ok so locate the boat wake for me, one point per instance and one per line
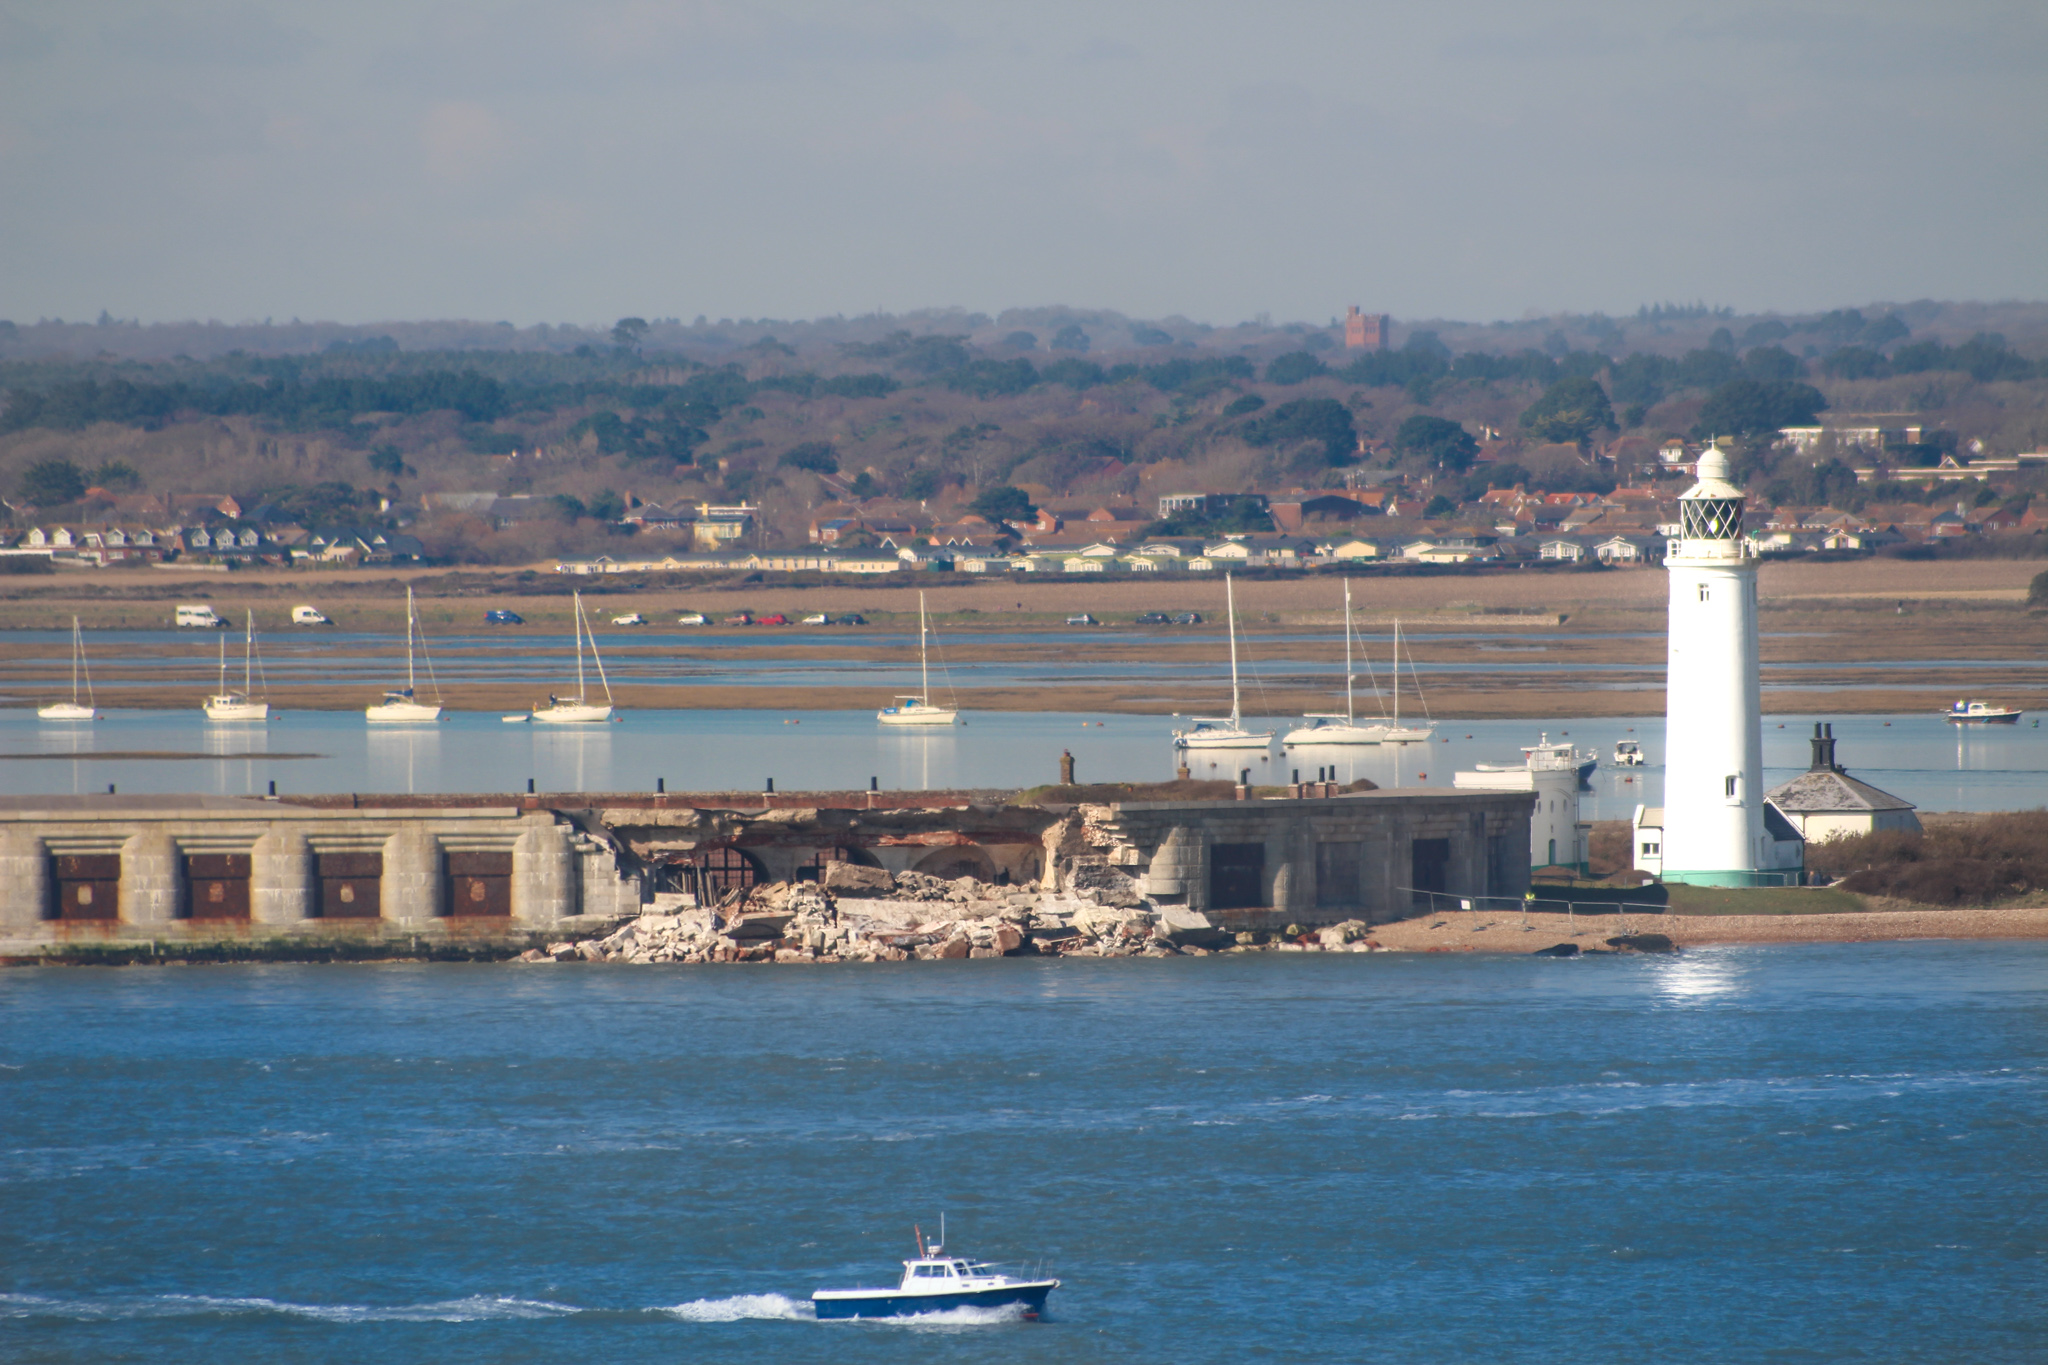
(741, 1307)
(476, 1308)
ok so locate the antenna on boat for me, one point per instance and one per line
(917, 1233)
(942, 1231)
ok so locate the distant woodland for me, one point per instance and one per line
(921, 416)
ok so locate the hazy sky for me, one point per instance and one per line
(359, 161)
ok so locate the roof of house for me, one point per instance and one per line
(1825, 790)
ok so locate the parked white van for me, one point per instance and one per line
(200, 615)
(309, 616)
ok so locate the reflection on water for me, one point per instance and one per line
(1919, 757)
(1696, 977)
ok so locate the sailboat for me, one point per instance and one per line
(226, 705)
(919, 710)
(1327, 727)
(73, 709)
(1224, 732)
(1396, 732)
(569, 711)
(398, 704)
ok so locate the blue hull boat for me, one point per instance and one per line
(890, 1303)
(936, 1283)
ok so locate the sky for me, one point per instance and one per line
(530, 161)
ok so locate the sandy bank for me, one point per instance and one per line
(1496, 933)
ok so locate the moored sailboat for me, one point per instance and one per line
(1224, 732)
(399, 704)
(1327, 727)
(579, 709)
(1398, 733)
(74, 709)
(242, 705)
(919, 710)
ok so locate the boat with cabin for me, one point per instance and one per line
(225, 705)
(919, 710)
(1981, 713)
(74, 709)
(1224, 732)
(400, 705)
(1328, 727)
(1628, 754)
(934, 1282)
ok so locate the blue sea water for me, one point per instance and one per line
(1790, 1154)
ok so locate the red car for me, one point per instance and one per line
(778, 619)
(745, 618)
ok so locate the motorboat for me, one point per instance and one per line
(934, 1282)
(226, 705)
(1224, 732)
(1544, 756)
(1981, 713)
(919, 710)
(1628, 754)
(1327, 727)
(578, 709)
(74, 709)
(399, 705)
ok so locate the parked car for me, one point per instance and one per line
(501, 617)
(309, 616)
(693, 618)
(853, 618)
(740, 618)
(1155, 618)
(817, 618)
(1084, 619)
(200, 615)
(1188, 618)
(631, 618)
(773, 619)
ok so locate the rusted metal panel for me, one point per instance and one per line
(218, 885)
(88, 885)
(479, 883)
(350, 885)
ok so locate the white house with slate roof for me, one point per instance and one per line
(1826, 803)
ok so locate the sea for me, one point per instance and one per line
(1817, 1153)
(1919, 757)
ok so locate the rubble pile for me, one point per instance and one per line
(861, 914)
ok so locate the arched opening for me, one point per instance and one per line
(958, 860)
(814, 868)
(708, 873)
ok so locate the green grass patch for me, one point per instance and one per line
(1763, 900)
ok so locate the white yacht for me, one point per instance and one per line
(74, 709)
(399, 704)
(1327, 727)
(227, 705)
(919, 710)
(1224, 732)
(1397, 733)
(578, 709)
(934, 1282)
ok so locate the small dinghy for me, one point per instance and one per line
(934, 1282)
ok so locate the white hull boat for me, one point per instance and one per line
(1225, 732)
(1981, 713)
(936, 1283)
(579, 709)
(1327, 727)
(74, 709)
(919, 710)
(227, 705)
(399, 706)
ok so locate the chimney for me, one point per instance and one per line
(1824, 749)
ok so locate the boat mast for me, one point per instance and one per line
(1230, 610)
(223, 688)
(578, 597)
(1347, 652)
(408, 639)
(248, 650)
(924, 671)
(77, 652)
(1397, 673)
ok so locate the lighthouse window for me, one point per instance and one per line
(1731, 786)
(1703, 592)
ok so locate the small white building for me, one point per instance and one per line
(1557, 837)
(1825, 803)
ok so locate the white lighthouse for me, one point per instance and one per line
(1713, 819)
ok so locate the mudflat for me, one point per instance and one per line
(1875, 636)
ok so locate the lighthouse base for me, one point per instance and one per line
(1790, 876)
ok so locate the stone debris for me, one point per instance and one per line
(865, 914)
